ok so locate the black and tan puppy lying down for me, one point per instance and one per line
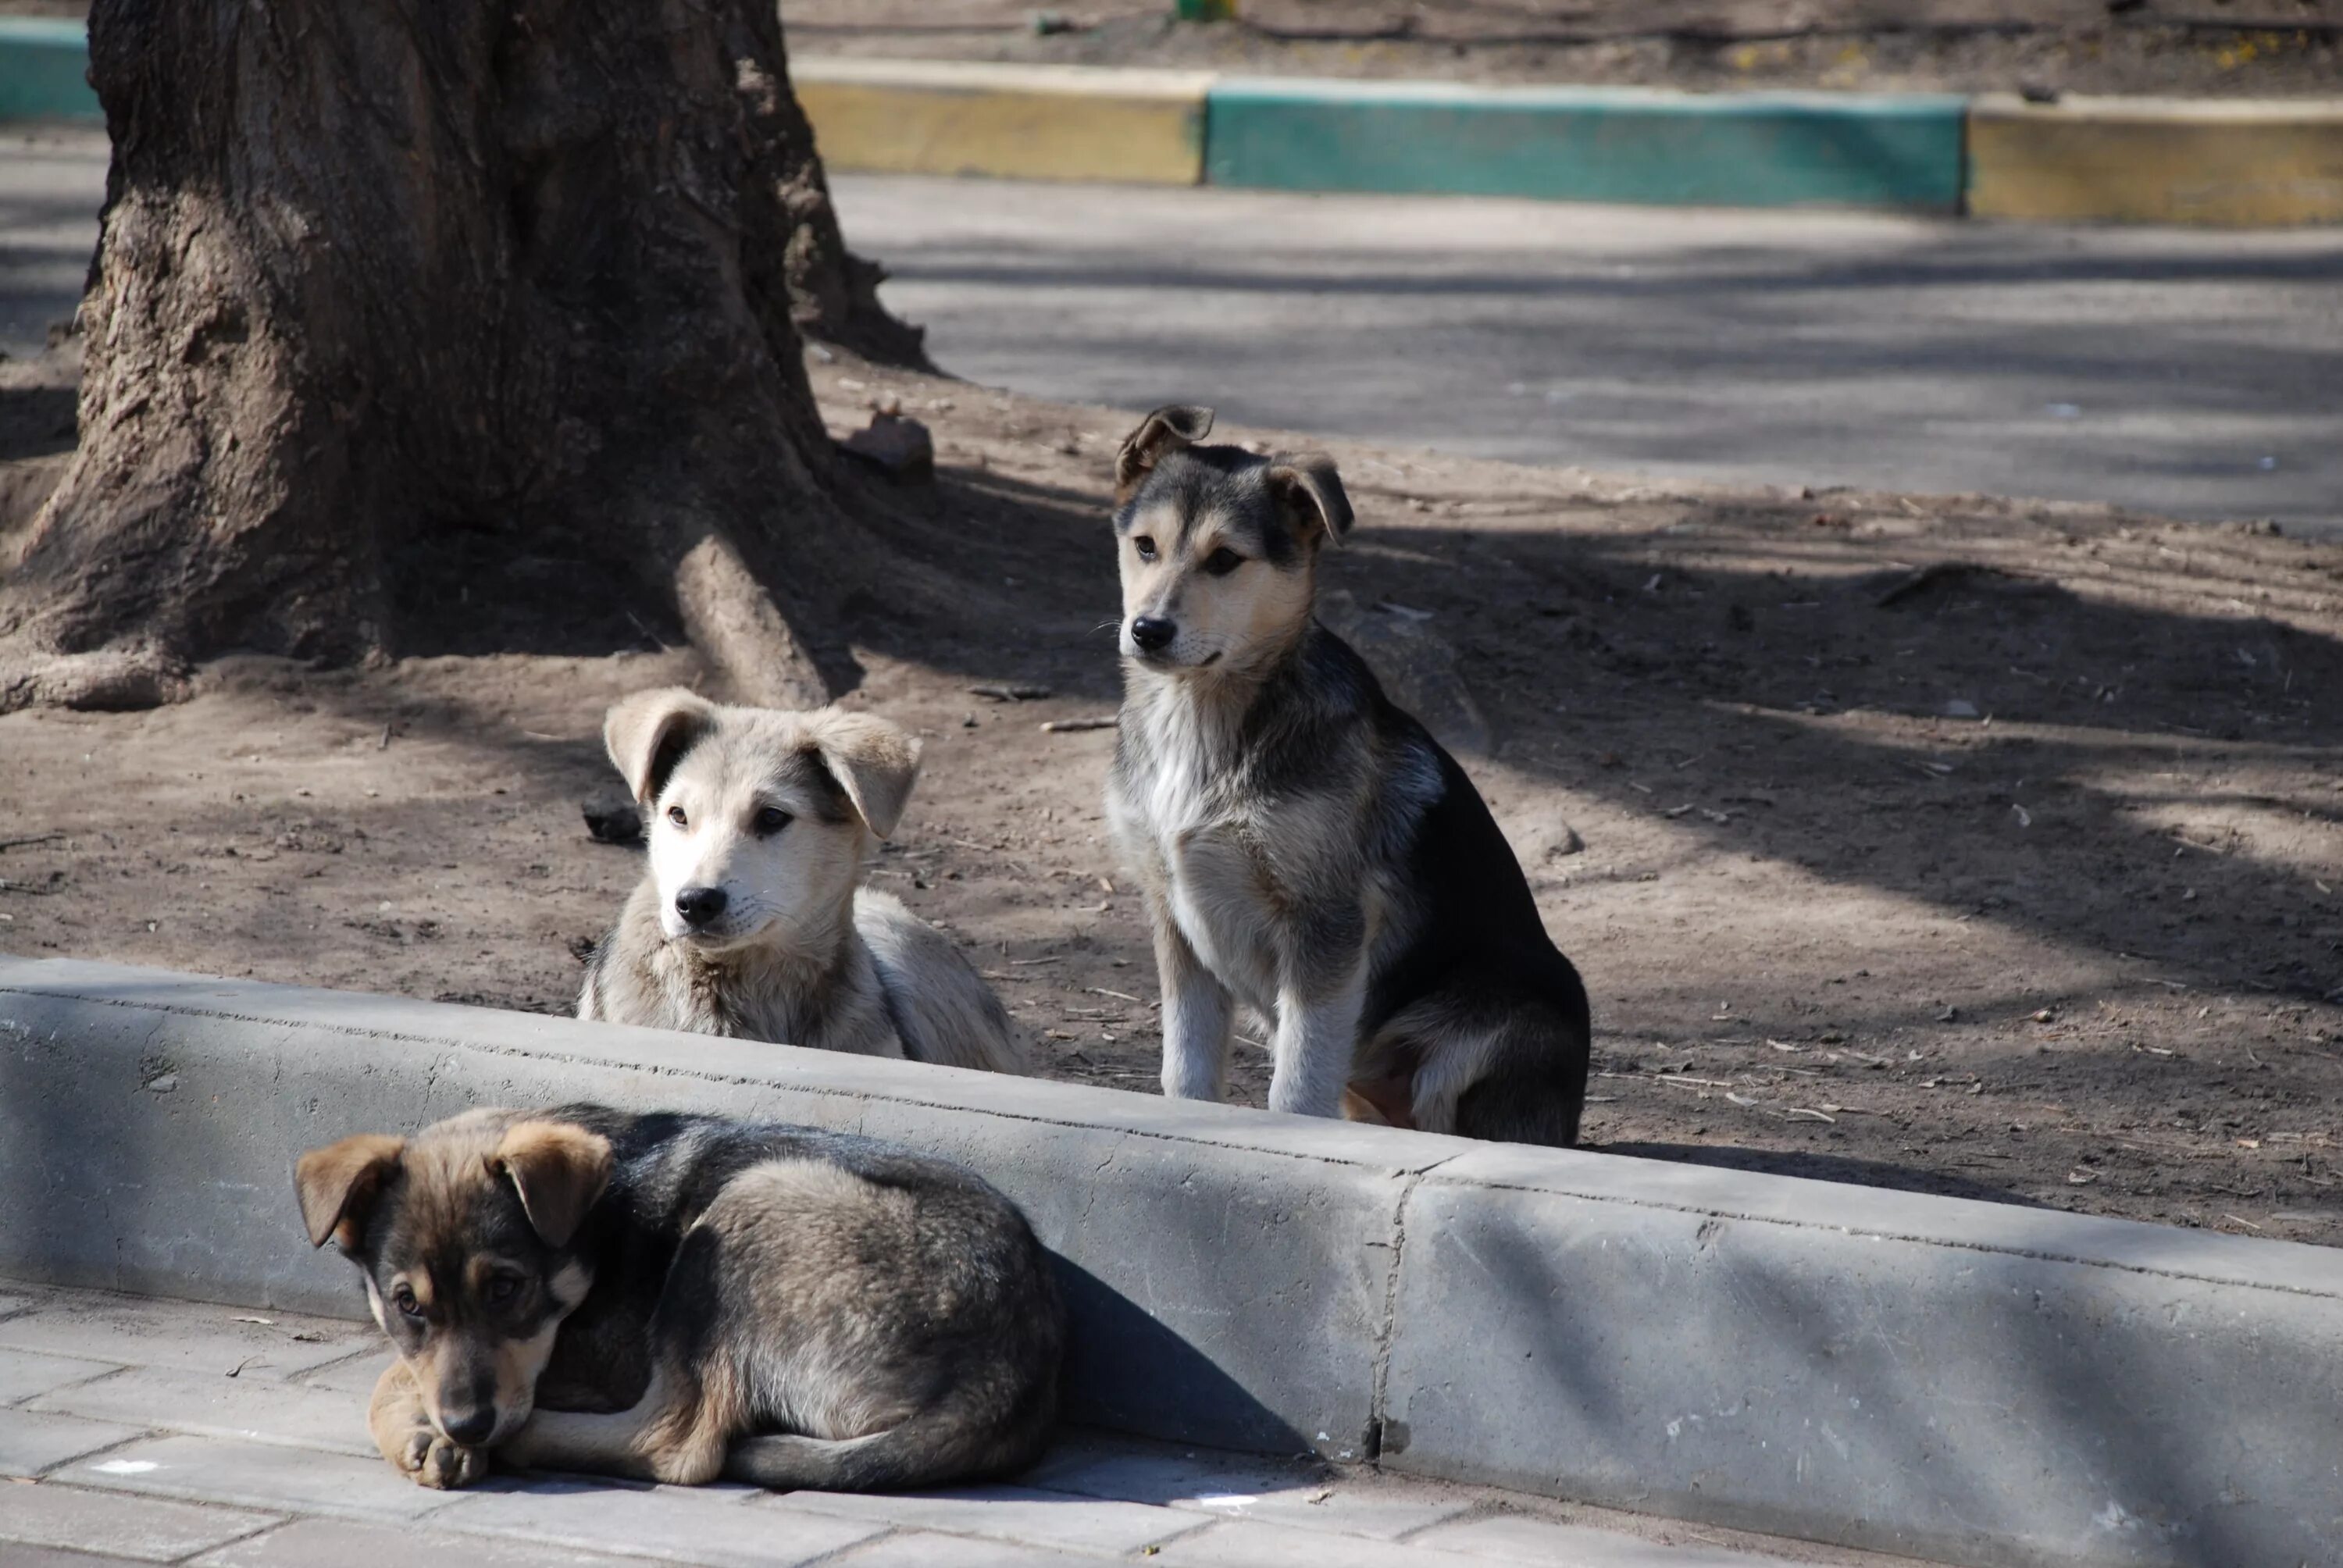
(682, 1298)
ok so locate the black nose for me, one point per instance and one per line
(471, 1428)
(1153, 633)
(698, 906)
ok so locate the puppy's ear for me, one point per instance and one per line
(875, 762)
(1310, 491)
(339, 1184)
(648, 732)
(560, 1171)
(1168, 428)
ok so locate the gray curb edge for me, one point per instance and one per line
(1971, 1382)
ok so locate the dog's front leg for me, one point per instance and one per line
(403, 1431)
(1197, 1013)
(1317, 1036)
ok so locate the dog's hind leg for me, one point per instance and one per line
(958, 1440)
(1531, 1087)
(675, 1433)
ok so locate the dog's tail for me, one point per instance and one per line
(933, 1448)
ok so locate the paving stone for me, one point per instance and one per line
(690, 1524)
(1250, 1543)
(1148, 1473)
(353, 1374)
(208, 1338)
(1525, 1538)
(58, 1557)
(31, 1443)
(1012, 1513)
(311, 1543)
(266, 1410)
(1226, 1486)
(259, 1474)
(1330, 1510)
(24, 1374)
(110, 1524)
(917, 1549)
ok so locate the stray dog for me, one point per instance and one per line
(1306, 849)
(584, 1288)
(750, 921)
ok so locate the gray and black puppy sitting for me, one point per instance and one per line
(751, 919)
(1308, 850)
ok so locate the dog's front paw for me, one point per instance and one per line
(430, 1460)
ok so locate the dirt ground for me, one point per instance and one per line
(1959, 845)
(2233, 48)
(2195, 48)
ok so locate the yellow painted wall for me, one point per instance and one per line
(1051, 123)
(2156, 161)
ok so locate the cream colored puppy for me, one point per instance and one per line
(752, 921)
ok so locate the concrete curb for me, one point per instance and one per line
(44, 70)
(2143, 160)
(1588, 143)
(1016, 122)
(2150, 160)
(1979, 1382)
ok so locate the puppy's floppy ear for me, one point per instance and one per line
(339, 1184)
(1168, 428)
(560, 1171)
(875, 762)
(647, 734)
(1307, 486)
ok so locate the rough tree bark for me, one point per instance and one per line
(387, 290)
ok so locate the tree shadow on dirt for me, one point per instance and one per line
(1739, 639)
(35, 422)
(2018, 786)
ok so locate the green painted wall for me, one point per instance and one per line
(42, 70)
(1616, 145)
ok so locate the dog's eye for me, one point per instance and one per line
(771, 820)
(500, 1290)
(404, 1300)
(1145, 544)
(675, 815)
(1222, 561)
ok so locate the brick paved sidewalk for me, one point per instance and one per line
(135, 1430)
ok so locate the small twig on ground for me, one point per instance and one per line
(29, 839)
(1119, 996)
(1067, 726)
(1014, 693)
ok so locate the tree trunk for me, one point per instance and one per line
(395, 303)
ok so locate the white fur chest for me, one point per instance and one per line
(1177, 821)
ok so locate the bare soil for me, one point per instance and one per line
(2222, 48)
(2198, 48)
(1961, 845)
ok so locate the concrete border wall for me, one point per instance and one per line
(2156, 160)
(1983, 1383)
(1014, 122)
(1646, 146)
(2124, 160)
(45, 70)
